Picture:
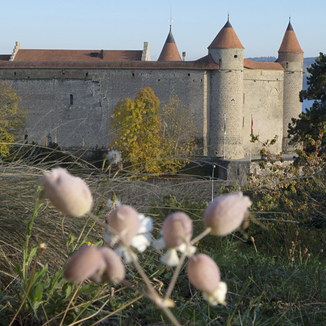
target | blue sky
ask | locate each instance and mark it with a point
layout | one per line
(126, 24)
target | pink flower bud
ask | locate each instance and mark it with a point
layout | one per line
(203, 273)
(67, 193)
(83, 264)
(177, 230)
(115, 269)
(125, 222)
(226, 213)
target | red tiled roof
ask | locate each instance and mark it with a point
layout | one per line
(262, 65)
(226, 39)
(77, 55)
(169, 53)
(205, 63)
(290, 42)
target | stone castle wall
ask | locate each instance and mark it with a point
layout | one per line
(263, 102)
(74, 106)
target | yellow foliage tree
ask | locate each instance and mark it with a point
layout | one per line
(137, 126)
(12, 119)
(152, 145)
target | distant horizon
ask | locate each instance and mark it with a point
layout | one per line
(109, 25)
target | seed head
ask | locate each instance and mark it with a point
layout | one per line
(177, 230)
(115, 269)
(205, 275)
(83, 264)
(69, 194)
(226, 213)
(125, 223)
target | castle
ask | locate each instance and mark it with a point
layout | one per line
(70, 95)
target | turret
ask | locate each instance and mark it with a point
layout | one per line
(290, 56)
(170, 51)
(226, 102)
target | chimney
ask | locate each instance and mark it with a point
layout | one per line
(183, 56)
(14, 52)
(102, 54)
(145, 54)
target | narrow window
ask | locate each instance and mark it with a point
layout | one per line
(242, 122)
(286, 65)
(133, 74)
(219, 62)
(71, 99)
(244, 98)
(188, 74)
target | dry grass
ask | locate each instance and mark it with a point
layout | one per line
(19, 183)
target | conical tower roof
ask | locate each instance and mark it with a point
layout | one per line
(170, 51)
(290, 42)
(226, 39)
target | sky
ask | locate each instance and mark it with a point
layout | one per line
(126, 24)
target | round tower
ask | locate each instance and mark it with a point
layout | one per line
(170, 51)
(226, 95)
(290, 56)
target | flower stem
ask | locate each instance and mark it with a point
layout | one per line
(200, 236)
(73, 297)
(39, 250)
(152, 294)
(175, 276)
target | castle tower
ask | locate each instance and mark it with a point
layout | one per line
(170, 51)
(226, 95)
(290, 56)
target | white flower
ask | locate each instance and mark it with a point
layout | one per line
(177, 233)
(114, 156)
(143, 238)
(128, 228)
(113, 204)
(218, 296)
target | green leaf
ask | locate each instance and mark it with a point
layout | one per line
(87, 289)
(38, 292)
(69, 288)
(39, 275)
(31, 255)
(18, 271)
(70, 240)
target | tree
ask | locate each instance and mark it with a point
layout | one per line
(178, 129)
(137, 127)
(12, 119)
(151, 141)
(308, 126)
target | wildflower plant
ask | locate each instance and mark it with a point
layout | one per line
(126, 232)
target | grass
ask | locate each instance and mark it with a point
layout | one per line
(271, 281)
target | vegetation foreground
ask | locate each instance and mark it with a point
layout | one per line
(274, 270)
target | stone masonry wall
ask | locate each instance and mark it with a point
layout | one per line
(263, 101)
(74, 106)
